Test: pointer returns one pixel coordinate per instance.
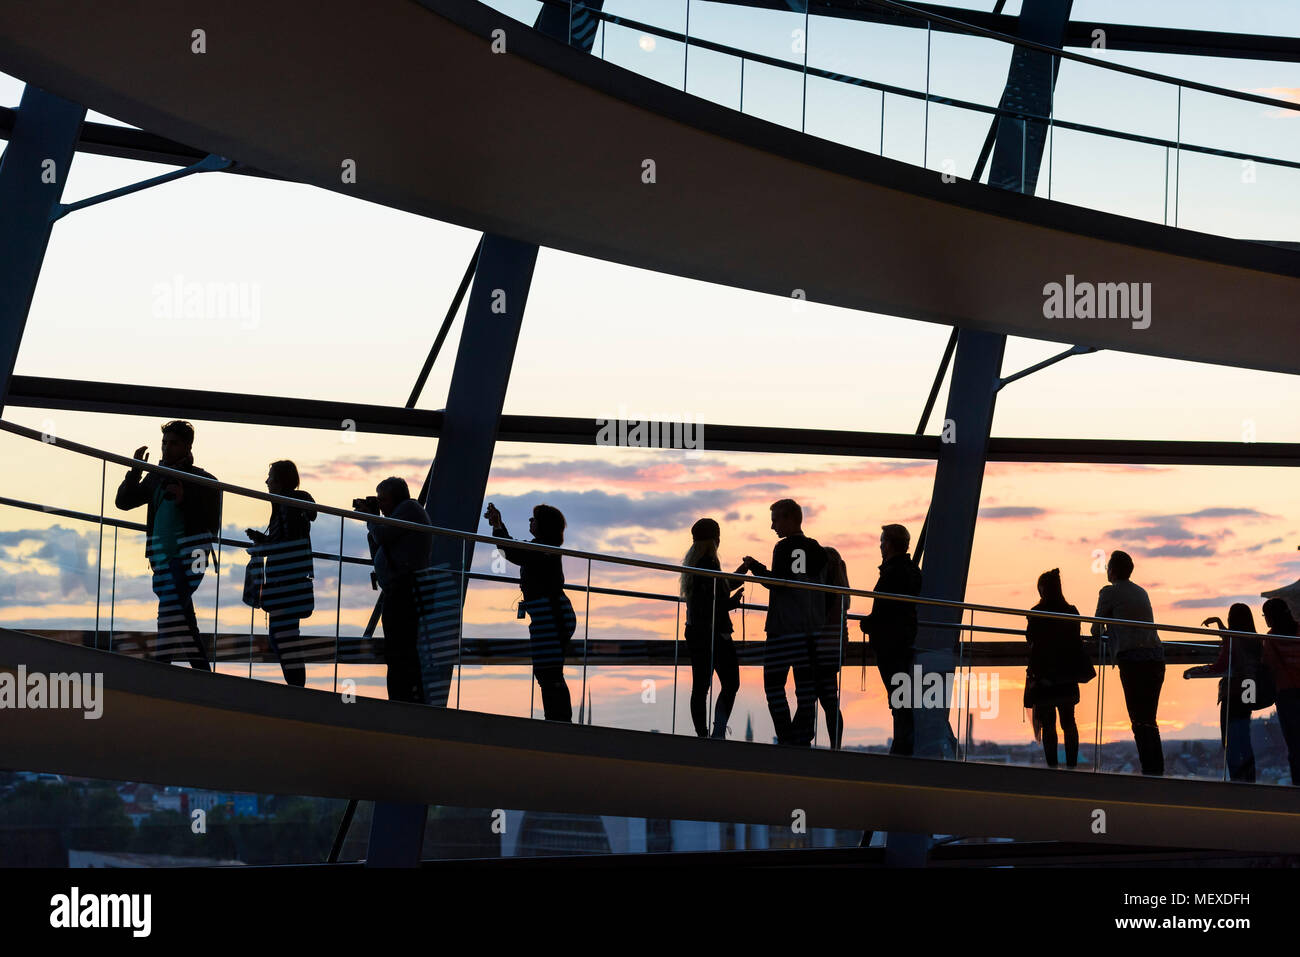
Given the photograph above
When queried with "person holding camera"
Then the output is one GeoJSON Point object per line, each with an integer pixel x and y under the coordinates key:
{"type": "Point", "coordinates": [181, 524]}
{"type": "Point", "coordinates": [398, 554]}
{"type": "Point", "coordinates": [551, 621]}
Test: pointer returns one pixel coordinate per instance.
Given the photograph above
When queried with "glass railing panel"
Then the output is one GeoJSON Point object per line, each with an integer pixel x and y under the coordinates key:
{"type": "Point", "coordinates": [844, 113]}
{"type": "Point", "coordinates": [625, 42]}
{"type": "Point", "coordinates": [1140, 193]}
{"type": "Point", "coordinates": [1191, 737]}
{"type": "Point", "coordinates": [495, 673]}
{"type": "Point", "coordinates": [361, 670]}
{"type": "Point", "coordinates": [772, 92]}
{"type": "Point", "coordinates": [54, 580]}
{"type": "Point", "coordinates": [715, 76]}
{"type": "Point", "coordinates": [635, 665]}
{"type": "Point", "coordinates": [775, 34]}
{"type": "Point", "coordinates": [967, 70]}
{"type": "Point", "coordinates": [954, 140]}
{"type": "Point", "coordinates": [1115, 101]}
{"type": "Point", "coordinates": [1243, 199]}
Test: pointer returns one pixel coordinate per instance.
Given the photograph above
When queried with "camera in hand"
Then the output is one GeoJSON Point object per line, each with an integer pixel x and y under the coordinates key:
{"type": "Point", "coordinates": [368, 504]}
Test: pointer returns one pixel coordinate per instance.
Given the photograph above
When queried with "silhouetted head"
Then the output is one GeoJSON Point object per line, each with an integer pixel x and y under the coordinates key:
{"type": "Point", "coordinates": [837, 573]}
{"type": "Point", "coordinates": [177, 443]}
{"type": "Point", "coordinates": [1120, 567]}
{"type": "Point", "coordinates": [391, 492]}
{"type": "Point", "coordinates": [1278, 617]}
{"type": "Point", "coordinates": [894, 540]}
{"type": "Point", "coordinates": [706, 530]}
{"type": "Point", "coordinates": [547, 525]}
{"type": "Point", "coordinates": [1049, 587]}
{"type": "Point", "coordinates": [281, 477]}
{"type": "Point", "coordinates": [703, 553]}
{"type": "Point", "coordinates": [787, 517]}
{"type": "Point", "coordinates": [1240, 617]}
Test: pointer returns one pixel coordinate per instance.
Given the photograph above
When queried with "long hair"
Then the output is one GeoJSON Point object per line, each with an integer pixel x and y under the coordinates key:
{"type": "Point", "coordinates": [703, 553]}
{"type": "Point", "coordinates": [1240, 618]}
{"type": "Point", "coordinates": [1278, 617]}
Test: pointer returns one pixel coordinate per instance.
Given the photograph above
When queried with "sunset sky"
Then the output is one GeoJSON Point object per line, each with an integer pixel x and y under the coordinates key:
{"type": "Point", "coordinates": [345, 299]}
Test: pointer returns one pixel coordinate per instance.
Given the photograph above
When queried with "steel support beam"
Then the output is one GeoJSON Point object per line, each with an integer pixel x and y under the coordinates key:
{"type": "Point", "coordinates": [458, 480]}
{"type": "Point", "coordinates": [976, 377]}
{"type": "Point", "coordinates": [33, 172]}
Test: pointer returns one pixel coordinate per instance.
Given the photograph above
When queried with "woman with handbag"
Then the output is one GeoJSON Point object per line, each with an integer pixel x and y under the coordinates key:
{"type": "Point", "coordinates": [551, 621]}
{"type": "Point", "coordinates": [1056, 659]}
{"type": "Point", "coordinates": [1244, 686]}
{"type": "Point", "coordinates": [287, 593]}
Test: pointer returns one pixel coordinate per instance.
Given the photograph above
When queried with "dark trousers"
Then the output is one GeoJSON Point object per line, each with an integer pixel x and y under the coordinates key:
{"type": "Point", "coordinates": [286, 641]}
{"type": "Point", "coordinates": [1046, 716]}
{"type": "Point", "coordinates": [174, 582]}
{"type": "Point", "coordinates": [826, 659]}
{"type": "Point", "coordinates": [1288, 716]}
{"type": "Point", "coordinates": [551, 624]}
{"type": "Point", "coordinates": [1142, 681]}
{"type": "Point", "coordinates": [1234, 728]}
{"type": "Point", "coordinates": [401, 621]}
{"type": "Point", "coordinates": [893, 663]}
{"type": "Point", "coordinates": [783, 654]}
{"type": "Point", "coordinates": [712, 654]}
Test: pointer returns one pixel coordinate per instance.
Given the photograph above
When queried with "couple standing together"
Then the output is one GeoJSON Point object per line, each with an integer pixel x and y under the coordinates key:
{"type": "Point", "coordinates": [806, 629]}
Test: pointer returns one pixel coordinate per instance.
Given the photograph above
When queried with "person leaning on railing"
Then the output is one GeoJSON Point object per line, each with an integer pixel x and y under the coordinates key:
{"type": "Point", "coordinates": [1245, 685]}
{"type": "Point", "coordinates": [1139, 655]}
{"type": "Point", "coordinates": [181, 524]}
{"type": "Point", "coordinates": [398, 554]}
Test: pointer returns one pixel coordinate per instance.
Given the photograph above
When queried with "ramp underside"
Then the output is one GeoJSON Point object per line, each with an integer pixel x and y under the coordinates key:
{"type": "Point", "coordinates": [170, 725]}
{"type": "Point", "coordinates": [546, 144]}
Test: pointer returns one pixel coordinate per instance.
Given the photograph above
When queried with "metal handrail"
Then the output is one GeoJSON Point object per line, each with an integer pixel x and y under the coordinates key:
{"type": "Point", "coordinates": [961, 26]}
{"type": "Point", "coordinates": [136, 464]}
{"type": "Point", "coordinates": [940, 100]}
{"type": "Point", "coordinates": [503, 579]}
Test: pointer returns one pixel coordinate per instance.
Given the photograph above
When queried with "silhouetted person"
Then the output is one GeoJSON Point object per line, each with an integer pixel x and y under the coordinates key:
{"type": "Point", "coordinates": [1052, 677]}
{"type": "Point", "coordinates": [828, 652]}
{"type": "Point", "coordinates": [794, 615]}
{"type": "Point", "coordinates": [708, 630]}
{"type": "Point", "coordinates": [1239, 689]}
{"type": "Point", "coordinates": [1282, 658]}
{"type": "Point", "coordinates": [287, 593]}
{"type": "Point", "coordinates": [181, 525]}
{"type": "Point", "coordinates": [1139, 655]}
{"type": "Point", "coordinates": [891, 627]}
{"type": "Point", "coordinates": [399, 553]}
{"type": "Point", "coordinates": [551, 621]}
